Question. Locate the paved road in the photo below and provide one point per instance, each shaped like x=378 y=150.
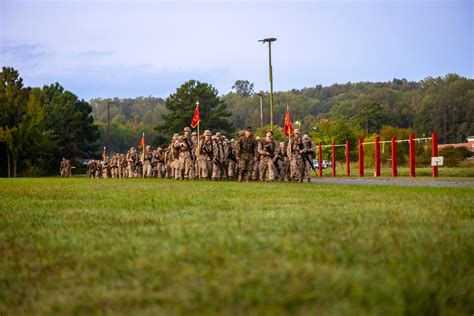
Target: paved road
x=405 y=183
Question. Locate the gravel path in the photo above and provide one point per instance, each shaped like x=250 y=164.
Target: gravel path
x=405 y=183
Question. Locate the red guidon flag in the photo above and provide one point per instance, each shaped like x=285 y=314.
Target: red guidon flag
x=288 y=127
x=104 y=154
x=196 y=116
x=142 y=141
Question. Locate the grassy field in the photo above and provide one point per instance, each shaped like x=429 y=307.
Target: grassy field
x=160 y=247
x=444 y=173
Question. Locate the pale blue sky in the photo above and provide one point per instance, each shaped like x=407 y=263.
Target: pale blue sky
x=140 y=48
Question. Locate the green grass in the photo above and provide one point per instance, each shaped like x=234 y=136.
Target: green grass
x=422 y=173
x=160 y=247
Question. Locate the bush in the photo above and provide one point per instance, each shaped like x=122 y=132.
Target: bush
x=454 y=155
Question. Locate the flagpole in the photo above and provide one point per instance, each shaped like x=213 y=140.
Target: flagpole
x=143 y=148
x=103 y=156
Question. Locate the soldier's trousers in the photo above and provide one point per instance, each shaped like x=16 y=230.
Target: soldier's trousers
x=146 y=169
x=186 y=166
x=231 y=169
x=296 y=168
x=245 y=169
x=307 y=168
x=285 y=172
x=266 y=163
x=255 y=170
x=205 y=166
x=217 y=171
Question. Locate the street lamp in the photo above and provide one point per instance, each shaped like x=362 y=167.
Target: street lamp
x=269 y=41
x=261 y=112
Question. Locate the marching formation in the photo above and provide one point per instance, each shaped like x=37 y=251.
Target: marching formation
x=214 y=157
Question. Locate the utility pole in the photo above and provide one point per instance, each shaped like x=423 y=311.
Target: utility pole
x=108 y=123
x=269 y=41
x=261 y=112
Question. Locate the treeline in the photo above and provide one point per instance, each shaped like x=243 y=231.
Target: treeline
x=129 y=118
x=40 y=126
x=443 y=104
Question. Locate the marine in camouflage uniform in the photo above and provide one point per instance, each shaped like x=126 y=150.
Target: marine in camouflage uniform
x=148 y=155
x=308 y=155
x=131 y=158
x=186 y=155
x=106 y=168
x=91 y=166
x=294 y=153
x=65 y=168
x=204 y=151
x=284 y=162
x=230 y=158
x=268 y=151
x=246 y=147
x=218 y=162
x=256 y=162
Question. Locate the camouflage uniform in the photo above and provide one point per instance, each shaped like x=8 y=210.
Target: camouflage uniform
x=218 y=163
x=256 y=162
x=308 y=153
x=131 y=161
x=246 y=148
x=284 y=162
x=65 y=168
x=91 y=166
x=186 y=162
x=105 y=168
x=268 y=151
x=294 y=153
x=231 y=160
x=204 y=151
x=148 y=155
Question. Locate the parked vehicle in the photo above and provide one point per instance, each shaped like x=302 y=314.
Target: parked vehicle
x=325 y=164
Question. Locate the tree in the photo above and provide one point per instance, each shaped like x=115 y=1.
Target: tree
x=181 y=105
x=243 y=88
x=22 y=124
x=70 y=123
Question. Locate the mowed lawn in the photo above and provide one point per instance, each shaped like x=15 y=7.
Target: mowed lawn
x=161 y=247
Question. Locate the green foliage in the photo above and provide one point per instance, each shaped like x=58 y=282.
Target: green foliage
x=243 y=88
x=453 y=156
x=160 y=247
x=181 y=104
x=129 y=118
x=40 y=126
x=443 y=104
x=70 y=123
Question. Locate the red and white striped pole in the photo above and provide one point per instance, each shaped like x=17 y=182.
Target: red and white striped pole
x=333 y=161
x=377 y=156
x=434 y=152
x=394 y=156
x=412 y=155
x=348 y=160
x=361 y=157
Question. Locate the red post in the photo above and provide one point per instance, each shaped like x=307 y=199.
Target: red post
x=377 y=156
x=434 y=152
x=394 y=156
x=333 y=161
x=412 y=155
x=320 y=157
x=348 y=160
x=361 y=157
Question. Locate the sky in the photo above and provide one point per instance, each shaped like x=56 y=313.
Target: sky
x=139 y=48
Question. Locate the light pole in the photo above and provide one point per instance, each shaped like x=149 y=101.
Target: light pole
x=108 y=123
x=269 y=41
x=261 y=112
